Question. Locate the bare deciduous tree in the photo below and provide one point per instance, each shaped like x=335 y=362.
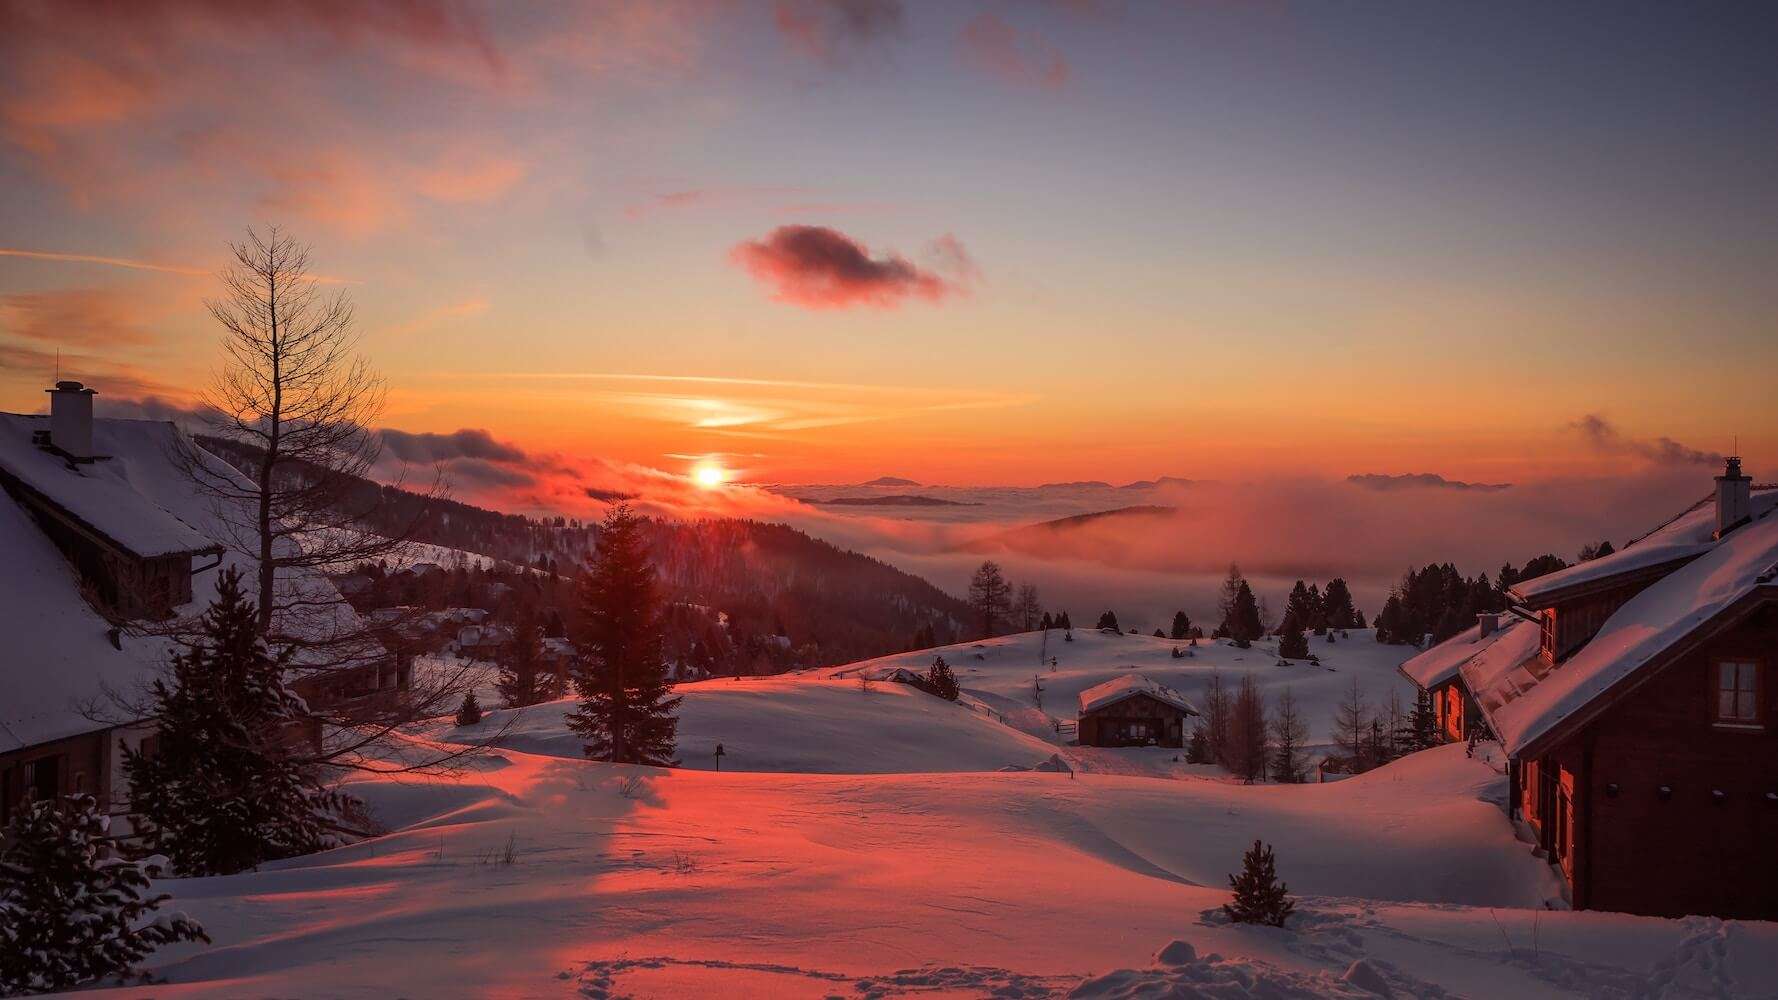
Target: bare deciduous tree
x=1027 y=608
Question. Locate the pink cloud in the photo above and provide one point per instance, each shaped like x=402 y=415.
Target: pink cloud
x=828 y=30
x=1022 y=60
x=821 y=268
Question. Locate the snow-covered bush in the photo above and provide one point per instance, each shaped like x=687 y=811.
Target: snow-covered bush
x=73 y=911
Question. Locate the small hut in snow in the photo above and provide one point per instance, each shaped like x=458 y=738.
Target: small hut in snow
x=1133 y=711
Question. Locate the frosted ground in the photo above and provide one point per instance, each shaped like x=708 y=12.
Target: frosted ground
x=862 y=841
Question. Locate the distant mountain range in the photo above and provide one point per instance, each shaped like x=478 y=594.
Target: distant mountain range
x=1421 y=480
x=894 y=500
x=890 y=481
x=1036 y=537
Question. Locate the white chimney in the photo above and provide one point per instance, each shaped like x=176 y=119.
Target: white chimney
x=1486 y=623
x=1734 y=497
x=71 y=418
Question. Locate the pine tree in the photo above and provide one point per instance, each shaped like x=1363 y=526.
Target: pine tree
x=470 y=712
x=1242 y=623
x=73 y=911
x=943 y=682
x=626 y=711
x=223 y=790
x=1225 y=605
x=522 y=680
x=1419 y=731
x=1337 y=609
x=990 y=595
x=1108 y=620
x=1259 y=897
x=1292 y=644
x=1288 y=734
x=1182 y=625
x=1247 y=732
x=1197 y=750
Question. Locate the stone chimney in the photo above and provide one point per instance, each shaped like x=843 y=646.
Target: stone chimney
x=1486 y=623
x=1734 y=497
x=71 y=419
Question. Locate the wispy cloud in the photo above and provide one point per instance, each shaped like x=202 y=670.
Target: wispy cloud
x=1021 y=59
x=87 y=258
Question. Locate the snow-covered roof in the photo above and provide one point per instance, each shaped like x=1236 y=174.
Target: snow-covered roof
x=100 y=494
x=1128 y=686
x=1528 y=701
x=58 y=662
x=1687 y=536
x=1441 y=663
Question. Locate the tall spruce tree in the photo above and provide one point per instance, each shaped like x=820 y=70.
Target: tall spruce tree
x=522 y=680
x=626 y=707
x=1259 y=897
x=73 y=911
x=1292 y=643
x=1182 y=625
x=1242 y=622
x=1420 y=729
x=1337 y=609
x=224 y=789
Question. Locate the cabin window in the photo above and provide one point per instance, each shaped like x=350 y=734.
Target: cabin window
x=1737 y=693
x=1548 y=641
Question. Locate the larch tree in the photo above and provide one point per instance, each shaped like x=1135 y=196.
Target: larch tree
x=1247 y=732
x=1027 y=609
x=1218 y=720
x=1352 y=725
x=626 y=705
x=291 y=465
x=990 y=595
x=1288 y=734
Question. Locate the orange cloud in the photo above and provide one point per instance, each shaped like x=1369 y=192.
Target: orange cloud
x=479 y=180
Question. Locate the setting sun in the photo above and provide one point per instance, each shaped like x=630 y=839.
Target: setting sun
x=709 y=475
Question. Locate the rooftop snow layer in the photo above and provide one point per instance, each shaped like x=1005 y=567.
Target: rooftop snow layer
x=1688 y=535
x=1441 y=663
x=1113 y=691
x=100 y=494
x=1526 y=705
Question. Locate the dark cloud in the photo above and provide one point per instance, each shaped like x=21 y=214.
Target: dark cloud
x=822 y=268
x=1420 y=480
x=831 y=30
x=470 y=443
x=1607 y=438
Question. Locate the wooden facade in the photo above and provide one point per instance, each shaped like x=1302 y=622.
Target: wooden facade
x=1138 y=720
x=1455 y=709
x=1661 y=798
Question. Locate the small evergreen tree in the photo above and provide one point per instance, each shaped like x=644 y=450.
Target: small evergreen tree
x=1243 y=621
x=1288 y=734
x=1108 y=620
x=942 y=681
x=626 y=709
x=224 y=789
x=1420 y=728
x=470 y=712
x=1197 y=750
x=1182 y=625
x=1259 y=897
x=73 y=911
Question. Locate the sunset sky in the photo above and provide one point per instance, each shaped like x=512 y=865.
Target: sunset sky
x=964 y=243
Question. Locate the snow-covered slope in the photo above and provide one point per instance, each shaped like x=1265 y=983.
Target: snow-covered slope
x=1002 y=673
x=640 y=882
x=800 y=723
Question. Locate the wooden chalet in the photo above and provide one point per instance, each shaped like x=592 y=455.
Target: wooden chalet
x=1642 y=727
x=1132 y=711
x=102 y=533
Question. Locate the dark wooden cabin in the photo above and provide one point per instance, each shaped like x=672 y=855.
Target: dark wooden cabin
x=1132 y=711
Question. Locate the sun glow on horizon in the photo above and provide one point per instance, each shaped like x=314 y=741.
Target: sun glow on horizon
x=709 y=475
